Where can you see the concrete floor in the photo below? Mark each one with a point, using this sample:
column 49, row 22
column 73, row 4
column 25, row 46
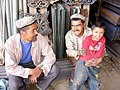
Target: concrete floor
column 109, row 76
column 107, row 83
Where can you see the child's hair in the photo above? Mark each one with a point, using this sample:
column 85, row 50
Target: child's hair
column 98, row 24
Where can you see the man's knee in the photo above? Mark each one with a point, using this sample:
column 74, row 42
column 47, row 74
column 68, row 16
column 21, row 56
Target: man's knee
column 73, row 61
column 54, row 70
column 15, row 83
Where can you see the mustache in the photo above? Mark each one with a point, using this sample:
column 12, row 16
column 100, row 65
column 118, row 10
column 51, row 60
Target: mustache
column 76, row 30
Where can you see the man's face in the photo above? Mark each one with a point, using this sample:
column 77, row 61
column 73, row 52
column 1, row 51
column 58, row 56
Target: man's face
column 31, row 33
column 97, row 33
column 77, row 27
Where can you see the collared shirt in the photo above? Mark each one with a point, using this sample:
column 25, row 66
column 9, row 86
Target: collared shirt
column 42, row 56
column 74, row 43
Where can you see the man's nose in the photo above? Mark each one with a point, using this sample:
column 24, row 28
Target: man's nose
column 36, row 32
column 76, row 27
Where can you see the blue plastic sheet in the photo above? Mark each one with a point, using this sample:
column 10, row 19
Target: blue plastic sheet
column 3, row 84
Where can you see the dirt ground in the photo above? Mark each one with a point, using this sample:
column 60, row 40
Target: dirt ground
column 110, row 74
column 109, row 77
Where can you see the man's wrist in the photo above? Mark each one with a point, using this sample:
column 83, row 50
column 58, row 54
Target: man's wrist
column 30, row 72
column 40, row 69
column 78, row 53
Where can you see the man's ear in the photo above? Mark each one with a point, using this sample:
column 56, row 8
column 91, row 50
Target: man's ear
column 85, row 25
column 22, row 32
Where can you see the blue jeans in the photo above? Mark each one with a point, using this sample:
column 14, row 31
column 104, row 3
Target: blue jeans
column 83, row 73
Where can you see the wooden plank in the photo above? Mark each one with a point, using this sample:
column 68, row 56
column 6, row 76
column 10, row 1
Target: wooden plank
column 112, row 8
column 88, row 10
column 113, row 2
column 110, row 16
column 3, row 72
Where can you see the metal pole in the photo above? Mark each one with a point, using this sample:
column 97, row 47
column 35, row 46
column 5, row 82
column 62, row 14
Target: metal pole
column 20, row 5
column 15, row 15
column 25, row 6
column 4, row 30
column 1, row 23
column 11, row 15
column 8, row 18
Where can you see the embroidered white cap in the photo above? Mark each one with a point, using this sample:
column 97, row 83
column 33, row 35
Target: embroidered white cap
column 22, row 22
column 78, row 16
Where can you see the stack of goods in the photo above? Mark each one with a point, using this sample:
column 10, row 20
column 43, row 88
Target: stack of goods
column 79, row 1
column 40, row 3
column 42, row 20
column 110, row 15
column 58, row 26
column 61, row 21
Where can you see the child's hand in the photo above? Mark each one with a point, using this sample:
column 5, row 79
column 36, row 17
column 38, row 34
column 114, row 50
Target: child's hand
column 88, row 63
column 92, row 62
column 95, row 63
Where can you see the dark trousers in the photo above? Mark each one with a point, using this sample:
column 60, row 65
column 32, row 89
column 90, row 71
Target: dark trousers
column 17, row 83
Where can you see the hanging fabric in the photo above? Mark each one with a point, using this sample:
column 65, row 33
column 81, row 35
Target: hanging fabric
column 2, row 30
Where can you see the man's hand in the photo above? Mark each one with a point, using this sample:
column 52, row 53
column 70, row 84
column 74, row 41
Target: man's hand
column 32, row 79
column 36, row 71
column 82, row 52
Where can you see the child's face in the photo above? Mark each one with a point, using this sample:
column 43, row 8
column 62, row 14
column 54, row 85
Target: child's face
column 97, row 33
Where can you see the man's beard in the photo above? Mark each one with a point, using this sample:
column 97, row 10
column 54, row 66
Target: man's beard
column 34, row 38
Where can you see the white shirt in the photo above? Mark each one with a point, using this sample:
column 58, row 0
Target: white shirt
column 74, row 43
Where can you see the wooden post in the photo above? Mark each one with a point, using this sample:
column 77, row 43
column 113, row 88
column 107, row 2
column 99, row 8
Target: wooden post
column 87, row 17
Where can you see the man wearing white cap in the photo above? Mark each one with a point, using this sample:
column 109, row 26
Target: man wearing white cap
column 74, row 38
column 28, row 56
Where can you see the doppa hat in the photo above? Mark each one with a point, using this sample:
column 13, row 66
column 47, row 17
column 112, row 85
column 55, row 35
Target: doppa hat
column 78, row 16
column 22, row 22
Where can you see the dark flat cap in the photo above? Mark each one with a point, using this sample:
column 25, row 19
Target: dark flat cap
column 22, row 22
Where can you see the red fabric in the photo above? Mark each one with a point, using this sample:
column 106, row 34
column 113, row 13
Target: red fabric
column 95, row 49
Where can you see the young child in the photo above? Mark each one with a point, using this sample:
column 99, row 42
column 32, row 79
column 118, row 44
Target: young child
column 88, row 65
column 94, row 45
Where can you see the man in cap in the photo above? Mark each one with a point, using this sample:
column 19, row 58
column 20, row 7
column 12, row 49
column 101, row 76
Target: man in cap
column 74, row 38
column 28, row 56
